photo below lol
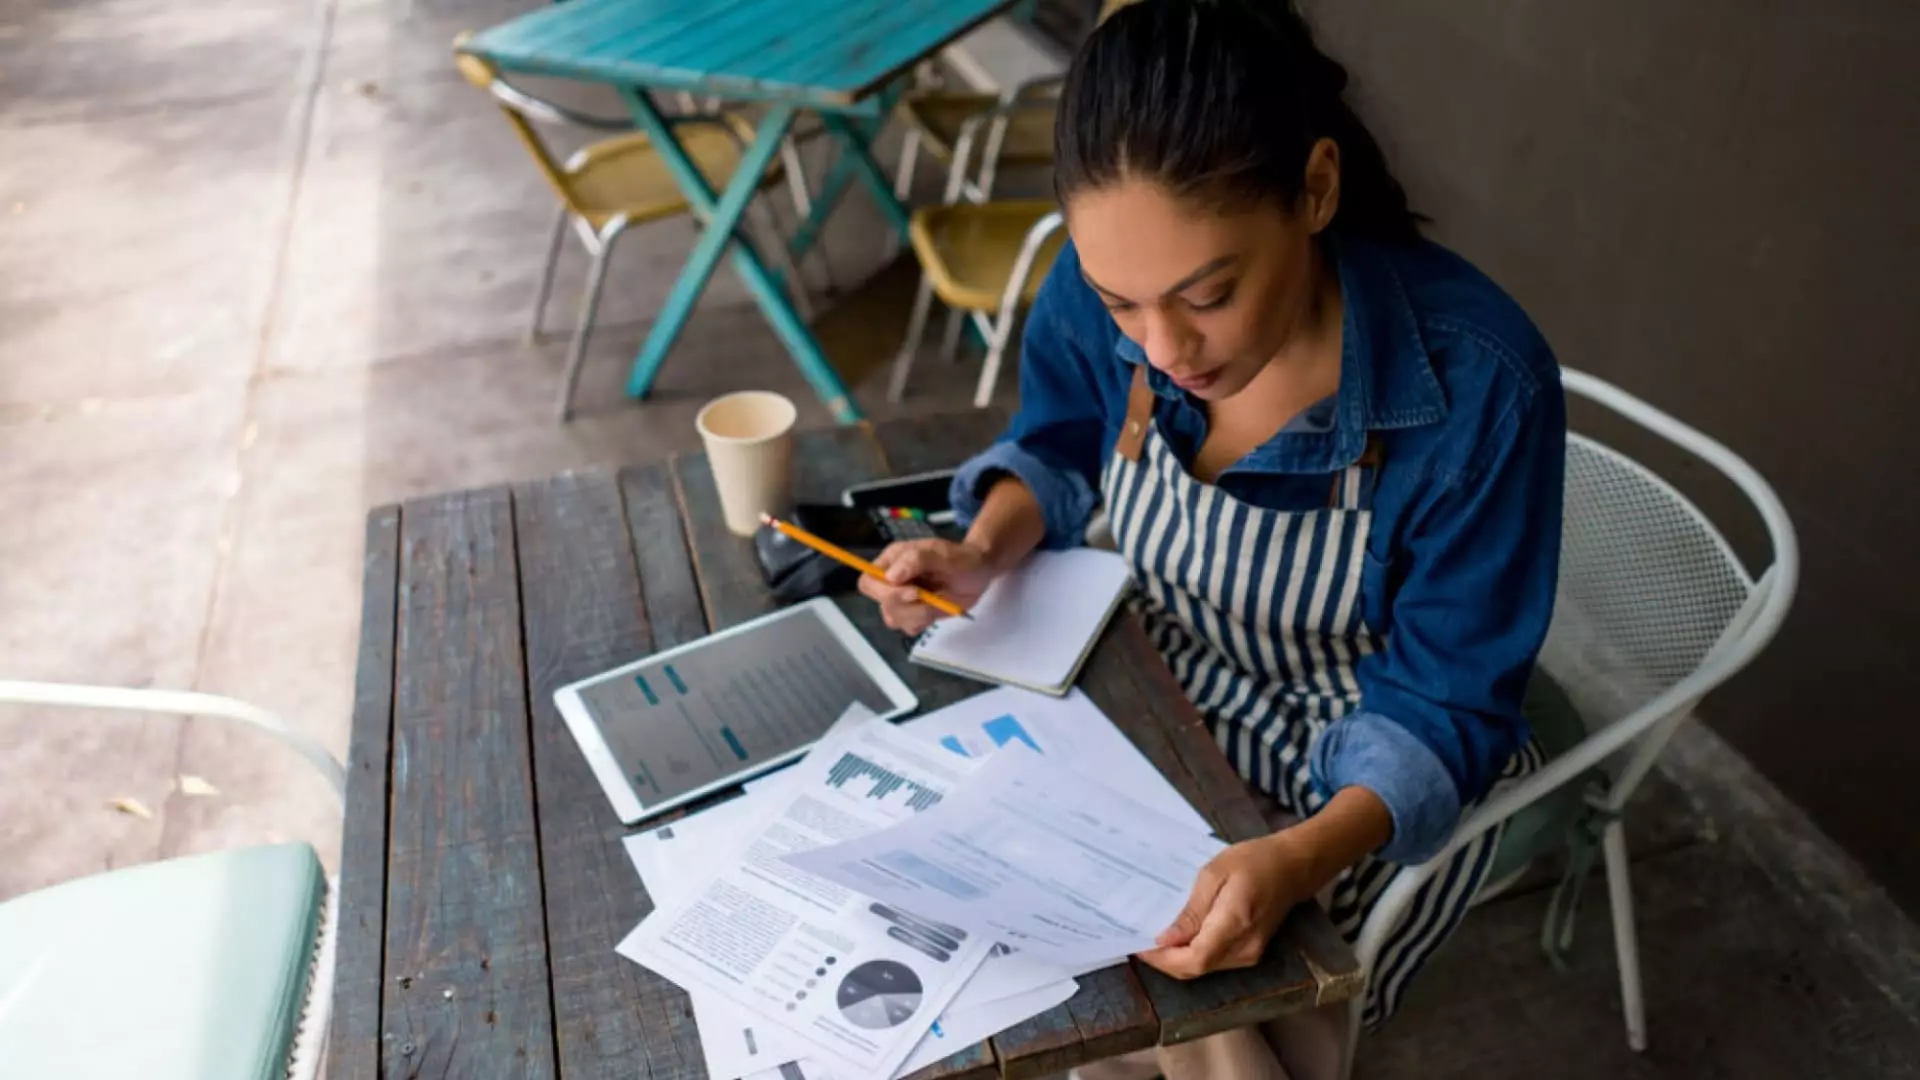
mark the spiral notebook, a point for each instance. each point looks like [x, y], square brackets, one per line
[1036, 626]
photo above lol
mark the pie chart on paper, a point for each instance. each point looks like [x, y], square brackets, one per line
[879, 994]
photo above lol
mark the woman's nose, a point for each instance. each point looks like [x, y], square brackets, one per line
[1169, 342]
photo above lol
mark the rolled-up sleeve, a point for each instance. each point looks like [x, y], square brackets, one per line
[1472, 594]
[1055, 441]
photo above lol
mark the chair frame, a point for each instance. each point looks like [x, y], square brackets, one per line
[1642, 734]
[599, 242]
[997, 330]
[310, 1036]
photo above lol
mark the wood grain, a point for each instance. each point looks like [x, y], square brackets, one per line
[466, 990]
[353, 1040]
[945, 442]
[582, 597]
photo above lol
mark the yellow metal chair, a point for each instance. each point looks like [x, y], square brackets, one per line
[984, 260]
[621, 181]
[938, 120]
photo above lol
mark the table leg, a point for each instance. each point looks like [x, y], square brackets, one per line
[853, 158]
[855, 143]
[722, 235]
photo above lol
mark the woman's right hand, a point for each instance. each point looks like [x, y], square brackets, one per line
[960, 572]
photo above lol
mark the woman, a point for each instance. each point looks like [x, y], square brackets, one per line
[1332, 452]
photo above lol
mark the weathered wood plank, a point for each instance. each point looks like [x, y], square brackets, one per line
[466, 984]
[976, 1062]
[353, 1047]
[669, 593]
[582, 598]
[924, 444]
[1109, 1016]
[1307, 963]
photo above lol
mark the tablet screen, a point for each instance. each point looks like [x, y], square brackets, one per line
[678, 723]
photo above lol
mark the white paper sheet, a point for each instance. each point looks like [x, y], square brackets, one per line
[1071, 730]
[1033, 854]
[735, 1040]
[1035, 626]
[858, 982]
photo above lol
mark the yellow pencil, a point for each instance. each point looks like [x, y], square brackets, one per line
[842, 555]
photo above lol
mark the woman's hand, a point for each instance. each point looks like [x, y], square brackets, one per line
[958, 571]
[1238, 902]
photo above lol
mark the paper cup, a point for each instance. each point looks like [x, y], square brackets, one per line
[749, 439]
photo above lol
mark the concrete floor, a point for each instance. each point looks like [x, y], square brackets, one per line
[265, 264]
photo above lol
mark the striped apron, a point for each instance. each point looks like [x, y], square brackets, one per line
[1258, 613]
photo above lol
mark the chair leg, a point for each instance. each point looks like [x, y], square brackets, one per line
[909, 157]
[996, 348]
[589, 308]
[916, 329]
[801, 189]
[546, 274]
[950, 335]
[776, 244]
[902, 185]
[1626, 942]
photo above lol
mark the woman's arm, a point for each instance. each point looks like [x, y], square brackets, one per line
[1008, 526]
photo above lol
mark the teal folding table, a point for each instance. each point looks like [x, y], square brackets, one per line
[844, 59]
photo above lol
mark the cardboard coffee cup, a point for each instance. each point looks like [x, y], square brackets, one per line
[749, 440]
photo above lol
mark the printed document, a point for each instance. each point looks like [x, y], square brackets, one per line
[858, 982]
[735, 1041]
[1040, 857]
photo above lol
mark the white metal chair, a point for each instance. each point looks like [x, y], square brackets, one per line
[1652, 612]
[204, 967]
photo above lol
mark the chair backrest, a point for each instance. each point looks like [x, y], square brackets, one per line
[1650, 592]
[487, 77]
[1647, 586]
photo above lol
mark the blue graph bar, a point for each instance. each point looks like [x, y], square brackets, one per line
[1006, 729]
[733, 743]
[674, 678]
[852, 767]
[641, 682]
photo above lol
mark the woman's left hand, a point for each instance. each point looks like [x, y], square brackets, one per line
[1238, 901]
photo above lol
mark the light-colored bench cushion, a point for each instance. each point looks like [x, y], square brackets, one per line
[191, 969]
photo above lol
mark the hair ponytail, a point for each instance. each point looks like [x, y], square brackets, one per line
[1220, 100]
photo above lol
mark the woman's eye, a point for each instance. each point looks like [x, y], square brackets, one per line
[1212, 304]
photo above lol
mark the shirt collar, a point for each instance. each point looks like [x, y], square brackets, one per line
[1386, 375]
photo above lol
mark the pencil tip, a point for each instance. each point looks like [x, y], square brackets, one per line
[766, 518]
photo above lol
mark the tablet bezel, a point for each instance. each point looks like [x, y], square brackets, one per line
[626, 801]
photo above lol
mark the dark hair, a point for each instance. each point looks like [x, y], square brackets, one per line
[1220, 100]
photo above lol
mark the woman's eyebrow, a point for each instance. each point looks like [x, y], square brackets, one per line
[1187, 282]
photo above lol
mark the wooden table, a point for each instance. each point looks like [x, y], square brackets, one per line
[483, 883]
[842, 59]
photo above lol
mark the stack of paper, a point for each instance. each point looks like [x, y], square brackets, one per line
[902, 893]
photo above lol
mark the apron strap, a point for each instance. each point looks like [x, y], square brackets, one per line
[1133, 434]
[1349, 483]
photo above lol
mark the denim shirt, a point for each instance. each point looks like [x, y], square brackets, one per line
[1459, 571]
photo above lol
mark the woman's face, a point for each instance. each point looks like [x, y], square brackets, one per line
[1210, 295]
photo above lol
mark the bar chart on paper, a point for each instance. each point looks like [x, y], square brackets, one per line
[883, 782]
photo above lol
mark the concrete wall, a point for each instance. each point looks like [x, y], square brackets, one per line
[1713, 204]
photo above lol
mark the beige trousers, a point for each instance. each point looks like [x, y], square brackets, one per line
[1305, 1046]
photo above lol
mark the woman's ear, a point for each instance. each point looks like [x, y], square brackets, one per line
[1321, 192]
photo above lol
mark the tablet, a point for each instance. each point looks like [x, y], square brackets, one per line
[709, 714]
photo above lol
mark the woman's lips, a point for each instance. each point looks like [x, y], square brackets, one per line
[1196, 382]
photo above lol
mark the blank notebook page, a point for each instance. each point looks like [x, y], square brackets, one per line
[1035, 626]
